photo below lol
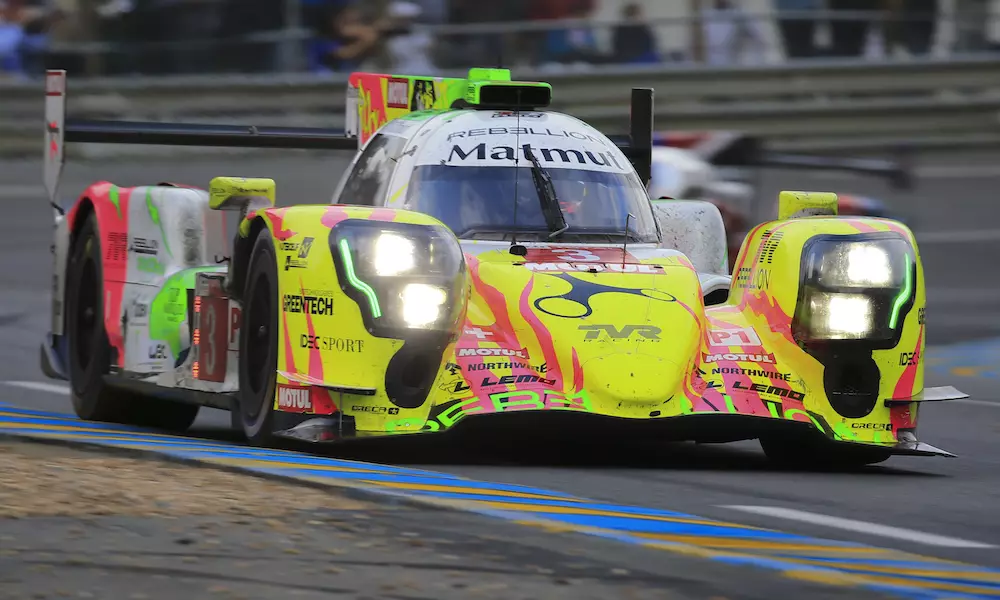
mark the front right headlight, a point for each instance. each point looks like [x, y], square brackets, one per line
[856, 287]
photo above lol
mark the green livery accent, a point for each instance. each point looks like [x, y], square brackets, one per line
[154, 216]
[115, 199]
[903, 296]
[169, 308]
[345, 252]
[149, 264]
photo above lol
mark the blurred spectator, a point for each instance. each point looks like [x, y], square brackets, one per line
[798, 32]
[574, 44]
[118, 25]
[24, 27]
[408, 49]
[633, 41]
[240, 20]
[463, 50]
[730, 35]
[972, 20]
[913, 24]
[432, 12]
[346, 42]
[848, 33]
[11, 36]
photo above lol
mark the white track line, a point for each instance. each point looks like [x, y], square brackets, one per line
[38, 386]
[899, 533]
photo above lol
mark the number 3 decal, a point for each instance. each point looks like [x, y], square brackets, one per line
[575, 255]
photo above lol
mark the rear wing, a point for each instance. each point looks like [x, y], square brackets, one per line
[734, 149]
[59, 131]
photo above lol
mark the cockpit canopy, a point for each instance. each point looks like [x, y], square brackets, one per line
[474, 173]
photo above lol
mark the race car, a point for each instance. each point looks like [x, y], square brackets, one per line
[483, 259]
[716, 166]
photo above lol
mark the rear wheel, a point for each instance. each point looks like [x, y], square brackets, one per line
[90, 352]
[802, 453]
[254, 413]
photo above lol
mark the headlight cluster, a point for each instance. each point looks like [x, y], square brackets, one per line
[404, 276]
[855, 287]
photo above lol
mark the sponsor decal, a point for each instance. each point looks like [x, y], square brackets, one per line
[744, 336]
[323, 342]
[492, 352]
[478, 333]
[552, 156]
[769, 244]
[149, 264]
[117, 244]
[748, 279]
[447, 415]
[500, 114]
[455, 387]
[140, 310]
[593, 268]
[920, 315]
[398, 93]
[774, 390]
[424, 96]
[144, 246]
[574, 254]
[493, 366]
[872, 426]
[378, 410]
[640, 332]
[312, 305]
[158, 351]
[581, 292]
[294, 399]
[909, 359]
[453, 369]
[727, 357]
[301, 250]
[513, 379]
[751, 372]
[518, 131]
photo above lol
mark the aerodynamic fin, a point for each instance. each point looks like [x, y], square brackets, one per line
[930, 394]
[55, 121]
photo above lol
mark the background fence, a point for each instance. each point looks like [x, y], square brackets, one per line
[821, 106]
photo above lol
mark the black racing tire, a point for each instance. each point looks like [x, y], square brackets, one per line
[253, 413]
[90, 352]
[808, 454]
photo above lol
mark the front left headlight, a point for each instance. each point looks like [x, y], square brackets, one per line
[855, 287]
[405, 277]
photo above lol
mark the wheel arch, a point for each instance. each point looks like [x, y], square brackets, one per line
[242, 249]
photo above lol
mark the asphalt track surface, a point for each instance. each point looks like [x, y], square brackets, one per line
[936, 507]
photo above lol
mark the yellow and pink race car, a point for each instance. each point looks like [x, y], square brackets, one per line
[484, 258]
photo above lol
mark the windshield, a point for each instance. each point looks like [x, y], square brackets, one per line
[478, 203]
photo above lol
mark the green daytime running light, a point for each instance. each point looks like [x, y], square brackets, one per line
[364, 288]
[903, 296]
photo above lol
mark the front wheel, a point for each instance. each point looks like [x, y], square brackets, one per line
[253, 413]
[800, 453]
